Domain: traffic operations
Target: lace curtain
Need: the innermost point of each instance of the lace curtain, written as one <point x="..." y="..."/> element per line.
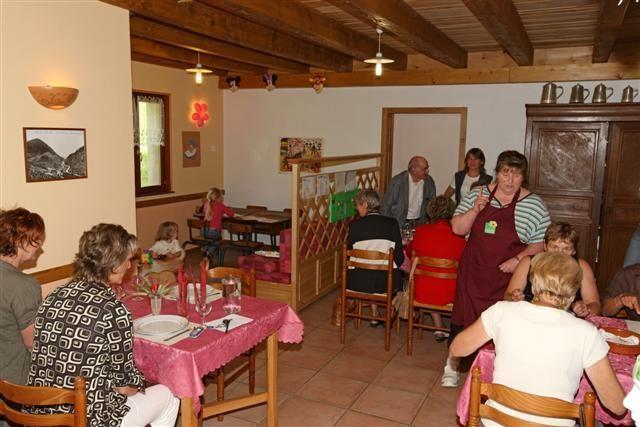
<point x="148" y="120"/>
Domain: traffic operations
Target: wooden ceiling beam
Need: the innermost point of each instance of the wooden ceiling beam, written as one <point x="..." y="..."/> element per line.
<point x="149" y="59"/>
<point x="307" y="24"/>
<point x="502" y="21"/>
<point x="203" y="19"/>
<point x="610" y="20"/>
<point x="152" y="30"/>
<point x="169" y="52"/>
<point x="408" y="26"/>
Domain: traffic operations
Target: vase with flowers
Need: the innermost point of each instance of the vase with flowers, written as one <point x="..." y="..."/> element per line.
<point x="155" y="291"/>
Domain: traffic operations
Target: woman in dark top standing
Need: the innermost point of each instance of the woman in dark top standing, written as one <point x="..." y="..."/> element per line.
<point x="374" y="232"/>
<point x="473" y="175"/>
<point x="83" y="329"/>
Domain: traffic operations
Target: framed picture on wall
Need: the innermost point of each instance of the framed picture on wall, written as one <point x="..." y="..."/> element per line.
<point x="300" y="148"/>
<point x="53" y="154"/>
<point x="190" y="149"/>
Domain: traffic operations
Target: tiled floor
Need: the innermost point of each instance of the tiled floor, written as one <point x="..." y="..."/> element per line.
<point x="324" y="383"/>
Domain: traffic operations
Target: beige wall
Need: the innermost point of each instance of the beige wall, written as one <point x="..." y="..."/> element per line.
<point x="84" y="44"/>
<point x="184" y="93"/>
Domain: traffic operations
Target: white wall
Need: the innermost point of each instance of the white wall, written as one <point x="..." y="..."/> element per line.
<point x="83" y="44"/>
<point x="349" y="120"/>
<point x="434" y="136"/>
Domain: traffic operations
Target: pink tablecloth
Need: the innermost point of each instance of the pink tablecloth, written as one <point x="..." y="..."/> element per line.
<point x="182" y="365"/>
<point x="622" y="365"/>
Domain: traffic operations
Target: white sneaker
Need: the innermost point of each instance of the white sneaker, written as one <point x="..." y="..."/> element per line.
<point x="450" y="377"/>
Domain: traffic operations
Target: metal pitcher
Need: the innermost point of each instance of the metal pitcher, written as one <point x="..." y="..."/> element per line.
<point x="600" y="94"/>
<point x="578" y="94"/>
<point x="628" y="93"/>
<point x="550" y="93"/>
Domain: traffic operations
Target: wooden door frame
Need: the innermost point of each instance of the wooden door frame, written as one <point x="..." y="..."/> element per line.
<point x="386" y="145"/>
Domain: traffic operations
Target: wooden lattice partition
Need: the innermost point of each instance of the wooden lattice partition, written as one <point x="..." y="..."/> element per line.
<point x="316" y="243"/>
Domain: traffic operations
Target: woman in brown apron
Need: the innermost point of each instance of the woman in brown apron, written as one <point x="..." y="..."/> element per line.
<point x="494" y="247"/>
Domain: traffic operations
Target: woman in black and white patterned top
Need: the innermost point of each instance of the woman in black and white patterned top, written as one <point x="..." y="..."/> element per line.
<point x="82" y="329"/>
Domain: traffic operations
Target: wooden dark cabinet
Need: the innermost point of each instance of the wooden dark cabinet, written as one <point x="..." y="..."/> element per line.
<point x="584" y="161"/>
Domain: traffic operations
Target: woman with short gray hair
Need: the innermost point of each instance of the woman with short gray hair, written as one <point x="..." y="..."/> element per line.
<point x="373" y="232"/>
<point x="102" y="346"/>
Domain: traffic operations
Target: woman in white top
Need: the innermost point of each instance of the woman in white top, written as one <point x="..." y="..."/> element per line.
<point x="541" y="348"/>
<point x="472" y="175"/>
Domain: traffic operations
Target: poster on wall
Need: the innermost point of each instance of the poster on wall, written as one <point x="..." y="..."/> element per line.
<point x="308" y="187"/>
<point x="52" y="154"/>
<point x="190" y="149"/>
<point x="323" y="185"/>
<point x="300" y="148"/>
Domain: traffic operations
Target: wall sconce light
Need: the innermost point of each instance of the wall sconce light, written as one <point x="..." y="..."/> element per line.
<point x="234" y="83"/>
<point x="54" y="97"/>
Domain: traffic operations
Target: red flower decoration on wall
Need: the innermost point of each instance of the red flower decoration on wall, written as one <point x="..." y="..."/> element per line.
<point x="201" y="116"/>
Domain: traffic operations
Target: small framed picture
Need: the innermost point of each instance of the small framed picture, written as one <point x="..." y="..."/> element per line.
<point x="52" y="154"/>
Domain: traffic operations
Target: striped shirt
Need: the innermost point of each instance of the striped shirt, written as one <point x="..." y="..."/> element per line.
<point x="531" y="215"/>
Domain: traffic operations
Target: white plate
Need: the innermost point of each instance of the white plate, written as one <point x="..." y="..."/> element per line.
<point x="161" y="324"/>
<point x="268" y="254"/>
<point x="212" y="293"/>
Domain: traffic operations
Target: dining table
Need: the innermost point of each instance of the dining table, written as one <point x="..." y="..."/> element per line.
<point x="622" y="366"/>
<point x="182" y="365"/>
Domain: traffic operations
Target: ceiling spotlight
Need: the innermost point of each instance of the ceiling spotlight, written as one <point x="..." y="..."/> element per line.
<point x="379" y="59"/>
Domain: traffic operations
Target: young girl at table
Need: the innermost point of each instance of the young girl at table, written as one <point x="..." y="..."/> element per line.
<point x="541" y="348"/>
<point x="214" y="211"/>
<point x="167" y="245"/>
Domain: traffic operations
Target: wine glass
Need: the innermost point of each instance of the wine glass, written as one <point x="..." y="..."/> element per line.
<point x="136" y="284"/>
<point x="203" y="308"/>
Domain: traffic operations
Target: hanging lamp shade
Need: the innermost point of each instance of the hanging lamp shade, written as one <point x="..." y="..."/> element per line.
<point x="379" y="59"/>
<point x="198" y="70"/>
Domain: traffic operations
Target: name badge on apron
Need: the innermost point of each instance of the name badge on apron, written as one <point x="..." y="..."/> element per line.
<point x="490" y="227"/>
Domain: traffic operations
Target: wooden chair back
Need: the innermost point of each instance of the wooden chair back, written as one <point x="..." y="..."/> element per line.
<point x="163" y="277"/>
<point x="378" y="261"/>
<point x="528" y="403"/>
<point x="416" y="311"/>
<point x="45" y="396"/>
<point x="195" y="224"/>
<point x="243" y="231"/>
<point x="248" y="278"/>
<point x="258" y="208"/>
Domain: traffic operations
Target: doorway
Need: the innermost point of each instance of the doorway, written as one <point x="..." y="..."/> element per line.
<point x="439" y="134"/>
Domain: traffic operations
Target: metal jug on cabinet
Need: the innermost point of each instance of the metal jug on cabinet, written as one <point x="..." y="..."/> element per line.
<point x="578" y="94"/>
<point x="600" y="95"/>
<point x="628" y="93"/>
<point x="550" y="93"/>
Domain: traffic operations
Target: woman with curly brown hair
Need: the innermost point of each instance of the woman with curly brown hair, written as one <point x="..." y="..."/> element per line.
<point x="21" y="236"/>
<point x="83" y="329"/>
<point x="437" y="240"/>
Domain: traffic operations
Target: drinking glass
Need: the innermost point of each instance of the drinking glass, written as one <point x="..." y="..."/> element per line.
<point x="231" y="294"/>
<point x="136" y="285"/>
<point x="203" y="308"/>
<point x="156" y="304"/>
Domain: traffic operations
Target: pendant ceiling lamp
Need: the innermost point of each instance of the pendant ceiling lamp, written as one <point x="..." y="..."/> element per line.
<point x="198" y="70"/>
<point x="379" y="59"/>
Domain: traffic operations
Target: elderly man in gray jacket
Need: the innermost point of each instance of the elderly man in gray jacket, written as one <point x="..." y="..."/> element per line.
<point x="409" y="192"/>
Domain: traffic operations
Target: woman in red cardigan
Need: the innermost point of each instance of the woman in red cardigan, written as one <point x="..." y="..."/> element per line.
<point x="437" y="240"/>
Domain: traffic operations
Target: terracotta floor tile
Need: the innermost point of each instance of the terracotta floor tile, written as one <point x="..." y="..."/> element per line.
<point x="298" y="412"/>
<point x="336" y="391"/>
<point x="356" y="419"/>
<point x="408" y="378"/>
<point x="290" y="378"/>
<point x="439" y="409"/>
<point x="316" y="318"/>
<point x="227" y="422"/>
<point x="422" y="358"/>
<point x="357" y="368"/>
<point x="370" y="350"/>
<point x="392" y="404"/>
<point x="308" y="357"/>
<point x="327" y="338"/>
<point x="256" y="413"/>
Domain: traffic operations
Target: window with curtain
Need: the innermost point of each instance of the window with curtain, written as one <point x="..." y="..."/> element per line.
<point x="151" y="143"/>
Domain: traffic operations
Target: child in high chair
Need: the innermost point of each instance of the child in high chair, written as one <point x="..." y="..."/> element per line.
<point x="167" y="245"/>
<point x="214" y="211"/>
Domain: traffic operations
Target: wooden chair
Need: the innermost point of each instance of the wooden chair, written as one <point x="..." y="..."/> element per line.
<point x="585" y="412"/>
<point x="385" y="263"/>
<point x="243" y="244"/>
<point x="416" y="320"/>
<point x="44" y="396"/>
<point x="196" y="238"/>
<point x="248" y="288"/>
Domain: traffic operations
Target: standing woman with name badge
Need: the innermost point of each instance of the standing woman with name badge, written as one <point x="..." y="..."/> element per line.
<point x="505" y="222"/>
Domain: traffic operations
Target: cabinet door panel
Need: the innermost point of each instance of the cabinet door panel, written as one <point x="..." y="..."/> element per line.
<point x="566" y="169"/>
<point x="621" y="212"/>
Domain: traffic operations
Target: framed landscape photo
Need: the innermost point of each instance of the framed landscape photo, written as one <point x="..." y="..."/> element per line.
<point x="52" y="154"/>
